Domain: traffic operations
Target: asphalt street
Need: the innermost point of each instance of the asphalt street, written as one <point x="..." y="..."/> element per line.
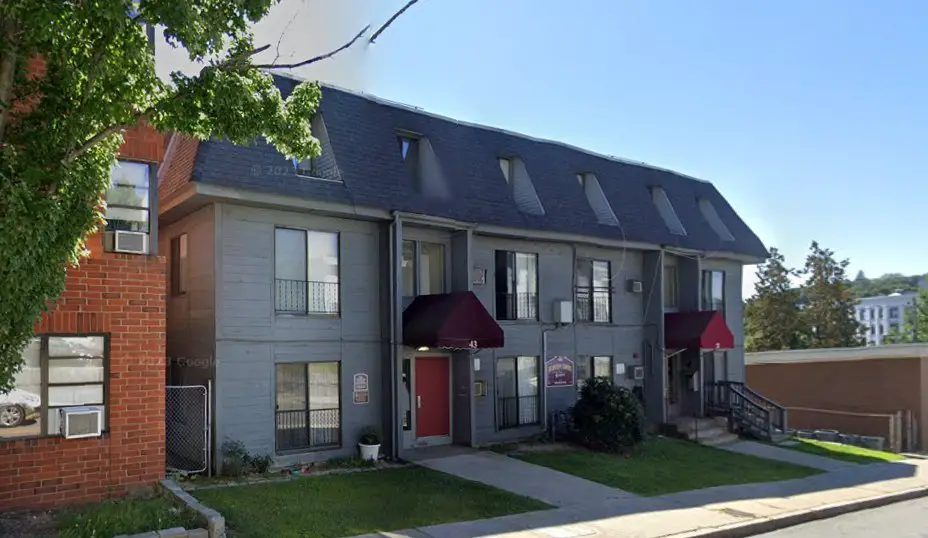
<point x="901" y="520"/>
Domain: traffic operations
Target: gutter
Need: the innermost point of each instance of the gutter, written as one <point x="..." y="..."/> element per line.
<point x="394" y="410"/>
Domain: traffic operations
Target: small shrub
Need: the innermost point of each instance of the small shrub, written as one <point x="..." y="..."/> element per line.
<point x="238" y="462"/>
<point x="260" y="464"/>
<point x="607" y="418"/>
<point x="370" y="436"/>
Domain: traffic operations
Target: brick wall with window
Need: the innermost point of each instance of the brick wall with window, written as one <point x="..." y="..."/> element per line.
<point x="119" y="297"/>
<point x="116" y="299"/>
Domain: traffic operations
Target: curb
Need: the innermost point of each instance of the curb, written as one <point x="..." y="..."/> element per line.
<point x="761" y="526"/>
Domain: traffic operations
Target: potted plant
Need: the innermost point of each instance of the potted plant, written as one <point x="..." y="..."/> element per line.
<point x="370" y="444"/>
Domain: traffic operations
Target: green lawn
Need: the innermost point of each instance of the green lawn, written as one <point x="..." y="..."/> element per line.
<point x="852" y="454"/>
<point x="667" y="466"/>
<point x="357" y="503"/>
<point x="122" y="517"/>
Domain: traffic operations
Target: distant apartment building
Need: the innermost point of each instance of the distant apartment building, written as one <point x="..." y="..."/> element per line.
<point x="883" y="314"/>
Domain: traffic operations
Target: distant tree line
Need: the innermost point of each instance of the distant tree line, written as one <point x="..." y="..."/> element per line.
<point x="862" y="286"/>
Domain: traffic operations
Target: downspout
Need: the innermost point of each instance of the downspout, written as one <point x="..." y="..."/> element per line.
<point x="394" y="226"/>
<point x="543" y="378"/>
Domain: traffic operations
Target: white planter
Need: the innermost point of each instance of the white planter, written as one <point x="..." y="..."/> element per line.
<point x="369" y="452"/>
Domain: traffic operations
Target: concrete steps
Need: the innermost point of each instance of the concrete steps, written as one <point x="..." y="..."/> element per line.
<point x="706" y="431"/>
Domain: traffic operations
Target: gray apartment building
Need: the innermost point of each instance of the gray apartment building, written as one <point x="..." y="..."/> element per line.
<point x="442" y="281"/>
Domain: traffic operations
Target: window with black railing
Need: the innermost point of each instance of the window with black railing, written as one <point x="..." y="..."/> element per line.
<point x="306" y="277"/>
<point x="517" y="388"/>
<point x="516" y="285"/>
<point x="302" y="297"/>
<point x="308" y="406"/>
<point x="593" y="292"/>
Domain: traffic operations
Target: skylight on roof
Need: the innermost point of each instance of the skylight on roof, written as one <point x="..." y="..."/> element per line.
<point x="712" y="216"/>
<point x="665" y="208"/>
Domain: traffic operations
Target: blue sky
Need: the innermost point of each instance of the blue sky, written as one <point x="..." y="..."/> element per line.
<point x="810" y="117"/>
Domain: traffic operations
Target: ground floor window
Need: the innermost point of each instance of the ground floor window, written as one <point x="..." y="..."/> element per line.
<point x="308" y="407"/>
<point x="58" y="371"/>
<point x="590" y="367"/>
<point x="518" y="391"/>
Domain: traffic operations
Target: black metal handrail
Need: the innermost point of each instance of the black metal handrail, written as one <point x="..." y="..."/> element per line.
<point x="308" y="428"/>
<point x="737" y="400"/>
<point x="515" y="411"/>
<point x="305" y="297"/>
<point x="517" y="305"/>
<point x="594" y="303"/>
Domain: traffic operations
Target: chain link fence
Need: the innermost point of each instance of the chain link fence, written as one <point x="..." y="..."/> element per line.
<point x="187" y="435"/>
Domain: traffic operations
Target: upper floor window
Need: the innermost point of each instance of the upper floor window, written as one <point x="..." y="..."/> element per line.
<point x="409" y="152"/>
<point x="894" y="312"/>
<point x="128" y="215"/>
<point x="58" y="371"/>
<point x="862" y="314"/>
<point x="179" y="265"/>
<point x="880" y="312"/>
<point x="670" y="286"/>
<point x="871" y="314"/>
<point x="306" y="271"/>
<point x="594" y="291"/>
<point x="423" y="268"/>
<point x="505" y="165"/>
<point x="713" y="291"/>
<point x="516" y="285"/>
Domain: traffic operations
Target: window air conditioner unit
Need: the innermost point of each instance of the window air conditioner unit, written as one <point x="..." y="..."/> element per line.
<point x="81" y="422"/>
<point x="132" y="242"/>
<point x="636" y="373"/>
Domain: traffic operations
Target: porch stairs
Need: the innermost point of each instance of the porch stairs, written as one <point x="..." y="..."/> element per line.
<point x="709" y="431"/>
<point x="748" y="413"/>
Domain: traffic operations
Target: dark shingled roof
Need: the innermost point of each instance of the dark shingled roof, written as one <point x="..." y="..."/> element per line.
<point x="363" y="135"/>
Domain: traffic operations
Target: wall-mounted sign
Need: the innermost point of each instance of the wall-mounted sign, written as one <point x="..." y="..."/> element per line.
<point x="478" y="276"/>
<point x="559" y="372"/>
<point x="360" y="389"/>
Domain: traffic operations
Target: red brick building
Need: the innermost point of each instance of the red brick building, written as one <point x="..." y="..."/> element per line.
<point x="102" y="346"/>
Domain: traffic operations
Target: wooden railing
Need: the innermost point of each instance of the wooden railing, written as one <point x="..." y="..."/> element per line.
<point x="750" y="413"/>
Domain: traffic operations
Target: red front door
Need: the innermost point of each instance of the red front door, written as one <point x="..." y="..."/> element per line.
<point x="433" y="406"/>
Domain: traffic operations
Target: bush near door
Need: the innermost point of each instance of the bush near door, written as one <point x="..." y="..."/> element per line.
<point x="607" y="418"/>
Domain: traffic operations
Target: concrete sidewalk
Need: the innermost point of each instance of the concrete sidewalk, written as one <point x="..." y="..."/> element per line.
<point x="786" y="455"/>
<point x="541" y="483"/>
<point x="729" y="511"/>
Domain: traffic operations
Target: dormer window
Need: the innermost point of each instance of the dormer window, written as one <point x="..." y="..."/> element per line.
<point x="523" y="191"/>
<point x="665" y="208"/>
<point x="409" y="148"/>
<point x="712" y="217"/>
<point x="505" y="164"/>
<point x="323" y="166"/>
<point x="306" y="167"/>
<point x="597" y="199"/>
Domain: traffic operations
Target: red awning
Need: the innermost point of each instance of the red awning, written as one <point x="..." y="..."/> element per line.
<point x="450" y="320"/>
<point x="697" y="330"/>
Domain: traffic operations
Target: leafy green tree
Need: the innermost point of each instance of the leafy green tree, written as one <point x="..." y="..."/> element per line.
<point x="829" y="306"/>
<point x="915" y="325"/>
<point x="61" y="122"/>
<point x="772" y="316"/>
